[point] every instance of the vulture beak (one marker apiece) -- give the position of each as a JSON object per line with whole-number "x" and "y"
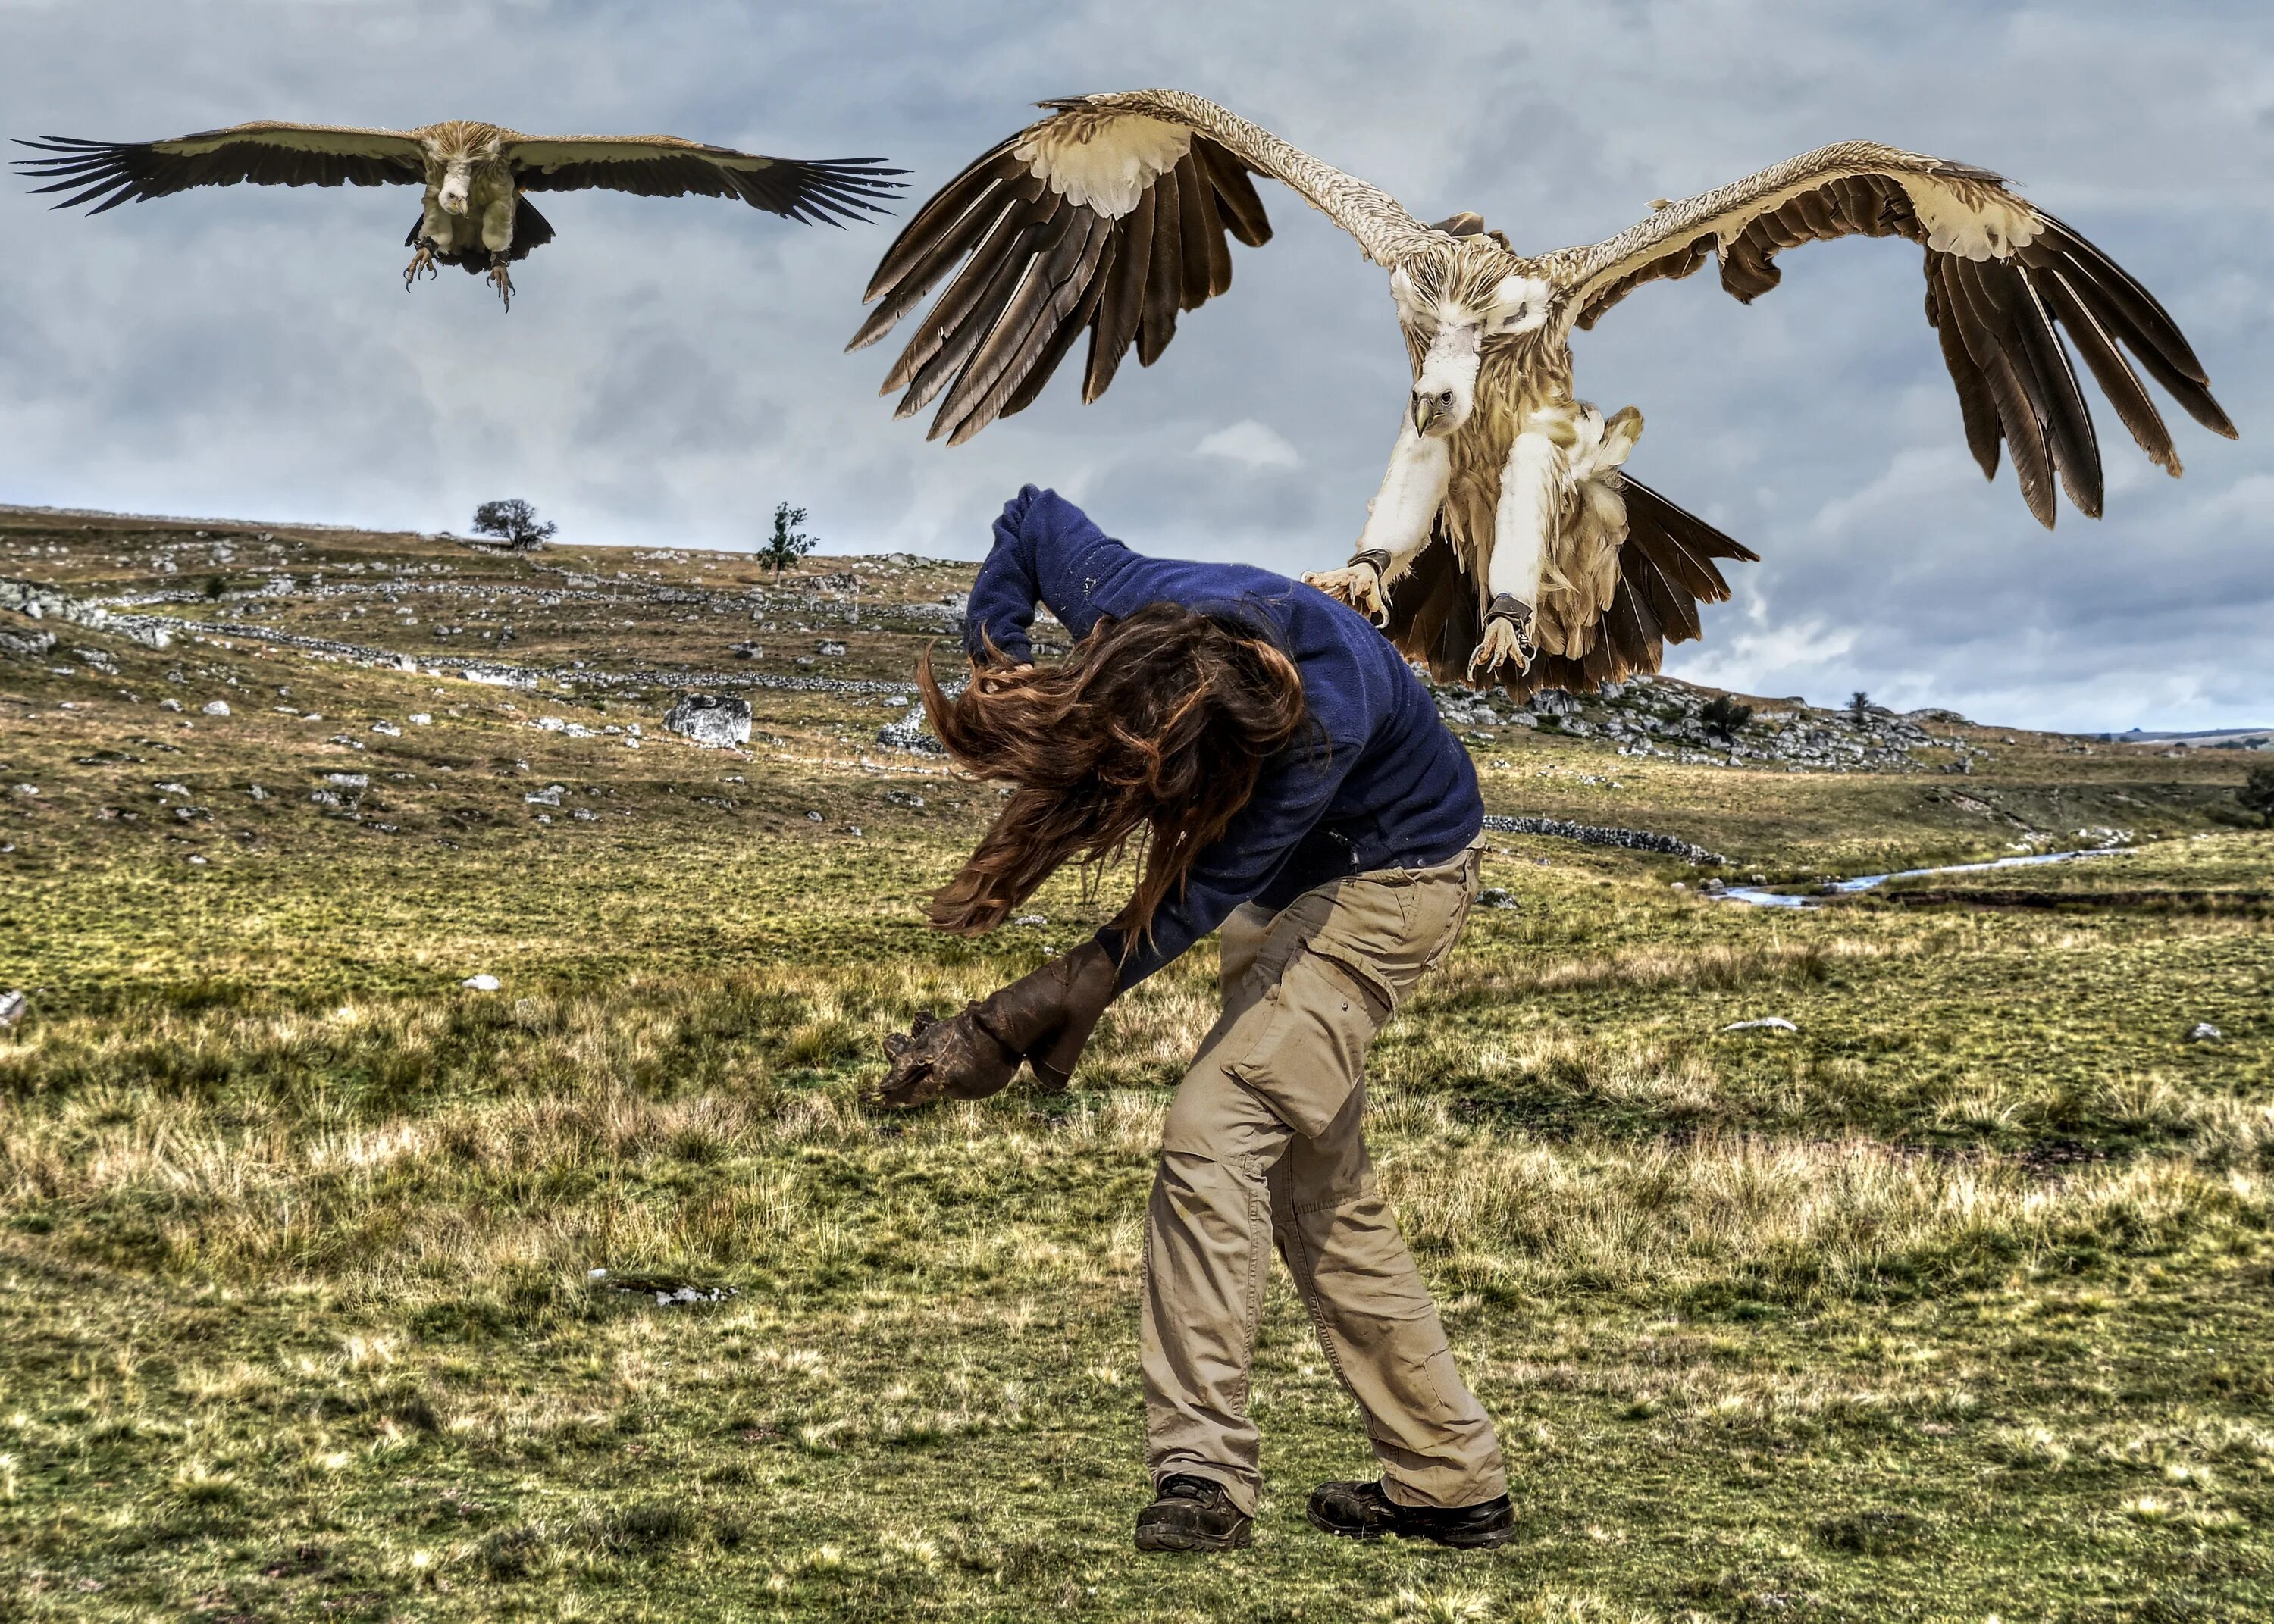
{"x": 1425, "y": 410}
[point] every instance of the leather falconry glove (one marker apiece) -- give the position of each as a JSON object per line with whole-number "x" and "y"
{"x": 1048, "y": 1016}
{"x": 1044, "y": 1018}
{"x": 956, "y": 1058}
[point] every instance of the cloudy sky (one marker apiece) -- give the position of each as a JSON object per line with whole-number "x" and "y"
{"x": 672, "y": 369}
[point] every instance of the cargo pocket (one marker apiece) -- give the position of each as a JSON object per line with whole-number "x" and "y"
{"x": 1308, "y": 1049}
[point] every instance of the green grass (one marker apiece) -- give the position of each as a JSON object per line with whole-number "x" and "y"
{"x": 1954, "y": 1303}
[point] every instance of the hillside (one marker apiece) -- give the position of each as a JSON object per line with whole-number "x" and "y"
{"x": 1948, "y": 1302}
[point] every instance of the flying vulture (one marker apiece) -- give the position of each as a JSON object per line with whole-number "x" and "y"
{"x": 476, "y": 175}
{"x": 1507, "y": 543}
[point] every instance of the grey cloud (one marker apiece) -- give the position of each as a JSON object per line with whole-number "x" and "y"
{"x": 672, "y": 368}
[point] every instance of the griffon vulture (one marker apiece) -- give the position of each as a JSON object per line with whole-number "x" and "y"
{"x": 476, "y": 175}
{"x": 1506, "y": 541}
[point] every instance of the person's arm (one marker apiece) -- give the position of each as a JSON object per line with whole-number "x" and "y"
{"x": 1003, "y": 595}
{"x": 1046, "y": 552}
{"x": 1290, "y": 799}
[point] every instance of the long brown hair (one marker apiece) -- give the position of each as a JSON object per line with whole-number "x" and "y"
{"x": 1156, "y": 725}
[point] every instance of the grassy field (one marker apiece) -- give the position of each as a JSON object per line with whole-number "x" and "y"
{"x": 1954, "y": 1303}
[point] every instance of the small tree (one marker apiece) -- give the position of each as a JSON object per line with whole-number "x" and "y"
{"x": 1725, "y": 715}
{"x": 513, "y": 522}
{"x": 2257, "y": 794}
{"x": 1859, "y": 707}
{"x": 787, "y": 543}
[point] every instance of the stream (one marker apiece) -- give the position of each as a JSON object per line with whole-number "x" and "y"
{"x": 1765, "y": 897}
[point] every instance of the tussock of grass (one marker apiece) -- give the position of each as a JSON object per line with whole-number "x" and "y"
{"x": 1952, "y": 1302}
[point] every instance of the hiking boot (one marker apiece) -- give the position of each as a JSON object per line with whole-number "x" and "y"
{"x": 1192, "y": 1514}
{"x": 1362, "y": 1511}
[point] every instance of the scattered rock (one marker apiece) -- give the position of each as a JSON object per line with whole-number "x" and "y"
{"x": 420, "y": 718}
{"x": 215, "y": 707}
{"x": 388, "y": 728}
{"x": 1589, "y": 834}
{"x": 481, "y": 983}
{"x": 1772, "y": 1022}
{"x": 2203, "y": 1032}
{"x": 12, "y": 1005}
{"x": 909, "y": 733}
{"x": 813, "y": 817}
{"x": 170, "y": 705}
{"x": 349, "y": 781}
{"x": 718, "y": 721}
{"x": 549, "y": 796}
{"x": 1032, "y": 919}
{"x": 1493, "y": 897}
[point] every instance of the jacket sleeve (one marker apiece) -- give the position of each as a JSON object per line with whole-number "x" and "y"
{"x": 1003, "y": 595}
{"x": 1046, "y": 552}
{"x": 1290, "y": 799}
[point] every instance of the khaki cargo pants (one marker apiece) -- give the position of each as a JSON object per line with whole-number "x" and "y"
{"x": 1263, "y": 1144}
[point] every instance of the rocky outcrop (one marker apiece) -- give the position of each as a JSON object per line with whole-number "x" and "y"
{"x": 719, "y": 721}
{"x": 1591, "y": 834}
{"x": 1664, "y": 718}
{"x": 46, "y": 603}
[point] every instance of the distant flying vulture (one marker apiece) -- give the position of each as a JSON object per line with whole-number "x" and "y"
{"x": 475, "y": 176}
{"x": 1506, "y": 543}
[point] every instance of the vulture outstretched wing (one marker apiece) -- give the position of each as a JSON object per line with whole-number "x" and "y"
{"x": 2005, "y": 281}
{"x": 1666, "y": 570}
{"x": 1109, "y": 216}
{"x": 108, "y": 173}
{"x": 823, "y": 190}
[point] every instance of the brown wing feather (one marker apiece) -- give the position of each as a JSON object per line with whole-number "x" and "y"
{"x": 2000, "y": 323}
{"x": 817, "y": 191}
{"x": 992, "y": 339}
{"x": 109, "y": 173}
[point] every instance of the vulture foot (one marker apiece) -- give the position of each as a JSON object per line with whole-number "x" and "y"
{"x": 501, "y": 279}
{"x": 1358, "y": 583}
{"x": 422, "y": 260}
{"x": 1508, "y": 636}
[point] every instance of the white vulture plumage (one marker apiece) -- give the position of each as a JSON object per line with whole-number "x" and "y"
{"x": 1507, "y": 544}
{"x": 476, "y": 214}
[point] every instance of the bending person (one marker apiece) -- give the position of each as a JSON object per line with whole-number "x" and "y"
{"x": 1293, "y": 788}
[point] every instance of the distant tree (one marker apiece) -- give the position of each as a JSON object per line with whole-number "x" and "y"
{"x": 1859, "y": 707}
{"x": 216, "y": 585}
{"x": 1725, "y": 715}
{"x": 2257, "y": 794}
{"x": 513, "y": 522}
{"x": 787, "y": 543}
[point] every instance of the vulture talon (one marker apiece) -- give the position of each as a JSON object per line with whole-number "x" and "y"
{"x": 500, "y": 278}
{"x": 1356, "y": 583}
{"x": 1508, "y": 636}
{"x": 422, "y": 260}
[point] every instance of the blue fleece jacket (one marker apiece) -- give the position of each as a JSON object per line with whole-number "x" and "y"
{"x": 1387, "y": 786}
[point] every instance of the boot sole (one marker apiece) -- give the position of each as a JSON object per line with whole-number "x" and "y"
{"x": 1172, "y": 1539}
{"x": 1484, "y": 1541}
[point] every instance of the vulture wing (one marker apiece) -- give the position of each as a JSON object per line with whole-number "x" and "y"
{"x": 817, "y": 191}
{"x": 1666, "y": 570}
{"x": 1110, "y": 215}
{"x": 108, "y": 173}
{"x": 2004, "y": 282}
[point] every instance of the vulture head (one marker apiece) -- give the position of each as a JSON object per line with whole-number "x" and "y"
{"x": 1460, "y": 293}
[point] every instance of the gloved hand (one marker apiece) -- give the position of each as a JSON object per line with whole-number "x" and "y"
{"x": 956, "y": 1058}
{"x": 1047, "y": 1017}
